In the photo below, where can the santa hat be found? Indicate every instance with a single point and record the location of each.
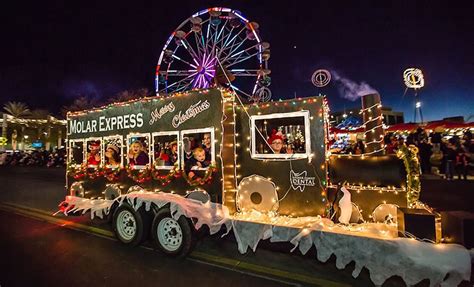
(94, 145)
(275, 136)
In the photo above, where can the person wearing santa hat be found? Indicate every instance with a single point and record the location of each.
(93, 158)
(276, 142)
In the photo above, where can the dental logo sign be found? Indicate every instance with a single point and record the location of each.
(300, 180)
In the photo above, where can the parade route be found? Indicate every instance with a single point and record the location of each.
(245, 268)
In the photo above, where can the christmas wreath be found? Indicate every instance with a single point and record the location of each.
(139, 175)
(94, 172)
(195, 181)
(78, 172)
(112, 173)
(164, 176)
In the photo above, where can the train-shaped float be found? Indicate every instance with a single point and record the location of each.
(200, 154)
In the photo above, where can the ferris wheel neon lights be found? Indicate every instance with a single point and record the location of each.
(189, 58)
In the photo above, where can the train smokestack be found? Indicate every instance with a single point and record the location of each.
(372, 117)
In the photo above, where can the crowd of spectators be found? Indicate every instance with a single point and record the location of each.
(438, 154)
(447, 156)
(55, 158)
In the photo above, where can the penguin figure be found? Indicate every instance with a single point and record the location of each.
(345, 206)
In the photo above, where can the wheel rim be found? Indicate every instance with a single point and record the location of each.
(170, 235)
(126, 225)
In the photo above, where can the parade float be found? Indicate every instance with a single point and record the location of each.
(205, 152)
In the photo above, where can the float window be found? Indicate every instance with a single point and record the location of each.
(198, 149)
(138, 155)
(113, 151)
(94, 152)
(165, 150)
(280, 136)
(76, 152)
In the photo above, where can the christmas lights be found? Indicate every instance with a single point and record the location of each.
(412, 167)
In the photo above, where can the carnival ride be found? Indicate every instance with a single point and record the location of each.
(190, 57)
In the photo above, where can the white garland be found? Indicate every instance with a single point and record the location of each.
(370, 245)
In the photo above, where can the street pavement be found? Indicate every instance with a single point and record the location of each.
(42, 250)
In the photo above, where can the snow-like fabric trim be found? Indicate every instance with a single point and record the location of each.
(370, 245)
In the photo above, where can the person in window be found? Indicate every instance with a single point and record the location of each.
(290, 149)
(112, 156)
(276, 142)
(93, 157)
(206, 145)
(137, 154)
(173, 153)
(197, 162)
(199, 158)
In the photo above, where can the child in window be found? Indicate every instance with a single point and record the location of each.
(137, 154)
(196, 162)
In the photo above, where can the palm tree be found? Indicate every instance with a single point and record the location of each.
(16, 109)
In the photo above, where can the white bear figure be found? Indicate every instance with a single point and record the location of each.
(345, 205)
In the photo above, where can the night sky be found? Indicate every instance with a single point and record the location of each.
(53, 51)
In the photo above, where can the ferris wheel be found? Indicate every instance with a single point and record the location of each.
(215, 47)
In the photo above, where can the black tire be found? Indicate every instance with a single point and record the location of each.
(172, 237)
(137, 232)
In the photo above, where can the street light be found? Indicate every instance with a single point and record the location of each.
(418, 105)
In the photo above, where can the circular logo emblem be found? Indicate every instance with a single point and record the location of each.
(321, 78)
(413, 78)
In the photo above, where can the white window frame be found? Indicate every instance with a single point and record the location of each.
(84, 149)
(134, 135)
(101, 151)
(196, 131)
(165, 133)
(264, 156)
(120, 137)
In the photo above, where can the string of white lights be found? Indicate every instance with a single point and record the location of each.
(373, 119)
(243, 106)
(378, 105)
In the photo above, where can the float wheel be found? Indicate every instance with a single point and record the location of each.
(170, 236)
(130, 226)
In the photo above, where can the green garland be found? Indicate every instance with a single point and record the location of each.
(412, 166)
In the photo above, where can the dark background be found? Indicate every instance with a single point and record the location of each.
(53, 51)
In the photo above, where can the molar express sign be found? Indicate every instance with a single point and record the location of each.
(103, 124)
